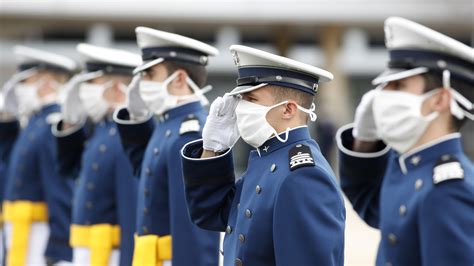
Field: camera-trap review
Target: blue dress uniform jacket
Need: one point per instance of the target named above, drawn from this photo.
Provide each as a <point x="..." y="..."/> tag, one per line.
<point x="285" y="210"/>
<point x="32" y="176"/>
<point x="105" y="190"/>
<point x="422" y="201"/>
<point x="154" y="150"/>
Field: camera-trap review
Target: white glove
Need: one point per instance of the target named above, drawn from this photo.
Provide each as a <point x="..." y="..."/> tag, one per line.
<point x="220" y="131"/>
<point x="135" y="104"/>
<point x="72" y="110"/>
<point x="10" y="103"/>
<point x="364" y="123"/>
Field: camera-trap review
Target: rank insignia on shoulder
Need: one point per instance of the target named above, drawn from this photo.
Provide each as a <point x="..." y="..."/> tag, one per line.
<point x="447" y="168"/>
<point x="190" y="124"/>
<point x="300" y="156"/>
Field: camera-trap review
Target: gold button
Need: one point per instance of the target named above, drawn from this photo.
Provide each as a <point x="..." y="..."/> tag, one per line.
<point x="148" y="171"/>
<point x="418" y="184"/>
<point x="403" y="210"/>
<point x="392" y="239"/>
<point x="273" y="168"/>
<point x="415" y="160"/>
<point x="102" y="148"/>
<point x="248" y="213"/>
<point x="258" y="189"/>
<point x="145" y="229"/>
<point x="241" y="238"/>
<point x="238" y="262"/>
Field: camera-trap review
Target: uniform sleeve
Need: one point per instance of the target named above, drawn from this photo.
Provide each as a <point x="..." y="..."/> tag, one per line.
<point x="126" y="199"/>
<point x="209" y="186"/>
<point x="134" y="136"/>
<point x="8" y="133"/>
<point x="308" y="220"/>
<point x="70" y="145"/>
<point x="361" y="175"/>
<point x="447" y="224"/>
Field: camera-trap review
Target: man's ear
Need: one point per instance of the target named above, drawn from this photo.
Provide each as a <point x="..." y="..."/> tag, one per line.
<point x="180" y="80"/>
<point x="442" y="101"/>
<point x="290" y="110"/>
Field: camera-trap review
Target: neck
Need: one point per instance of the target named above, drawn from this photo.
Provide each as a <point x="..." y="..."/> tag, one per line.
<point x="434" y="131"/>
<point x="282" y="127"/>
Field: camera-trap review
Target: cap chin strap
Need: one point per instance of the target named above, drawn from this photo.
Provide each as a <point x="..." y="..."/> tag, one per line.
<point x="457" y="99"/>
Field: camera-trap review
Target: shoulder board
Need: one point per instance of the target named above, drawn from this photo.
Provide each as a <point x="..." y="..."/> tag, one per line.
<point x="300" y="156"/>
<point x="190" y="124"/>
<point x="53" y="118"/>
<point x="448" y="167"/>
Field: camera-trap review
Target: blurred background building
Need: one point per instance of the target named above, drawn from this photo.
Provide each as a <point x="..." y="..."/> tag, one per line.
<point x="343" y="36"/>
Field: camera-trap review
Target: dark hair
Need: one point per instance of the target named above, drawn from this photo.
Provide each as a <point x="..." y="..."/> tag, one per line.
<point x="303" y="99"/>
<point x="196" y="73"/>
<point x="434" y="81"/>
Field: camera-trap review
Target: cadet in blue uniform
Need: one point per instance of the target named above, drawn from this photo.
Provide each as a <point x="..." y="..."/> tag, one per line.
<point x="287" y="208"/>
<point x="105" y="195"/>
<point x="401" y="163"/>
<point x="167" y="85"/>
<point x="37" y="199"/>
<point x="9" y="131"/>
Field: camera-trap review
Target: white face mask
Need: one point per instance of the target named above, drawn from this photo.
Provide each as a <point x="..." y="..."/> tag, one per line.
<point x="28" y="99"/>
<point x="398" y="118"/>
<point x="158" y="100"/>
<point x="92" y="98"/>
<point x="253" y="125"/>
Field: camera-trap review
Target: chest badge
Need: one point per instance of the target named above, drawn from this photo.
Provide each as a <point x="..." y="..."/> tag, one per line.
<point x="300" y="156"/>
<point x="447" y="168"/>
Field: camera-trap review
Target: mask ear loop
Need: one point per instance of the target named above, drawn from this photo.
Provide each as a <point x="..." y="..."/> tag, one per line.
<point x="310" y="112"/>
<point x="287" y="133"/>
<point x="455" y="109"/>
<point x="199" y="91"/>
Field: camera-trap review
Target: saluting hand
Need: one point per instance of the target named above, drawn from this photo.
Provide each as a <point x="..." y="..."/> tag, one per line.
<point x="364" y="123"/>
<point x="220" y="131"/>
<point x="135" y="104"/>
<point x="72" y="110"/>
<point x="10" y="103"/>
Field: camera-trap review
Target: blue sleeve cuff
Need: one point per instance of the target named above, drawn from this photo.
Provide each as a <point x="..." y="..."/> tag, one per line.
<point x="198" y="171"/>
<point x="133" y="131"/>
<point x="358" y="164"/>
<point x="69" y="149"/>
<point x="9" y="129"/>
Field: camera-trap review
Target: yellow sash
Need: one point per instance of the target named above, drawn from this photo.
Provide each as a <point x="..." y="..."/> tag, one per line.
<point x="100" y="239"/>
<point x="151" y="250"/>
<point x="21" y="214"/>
